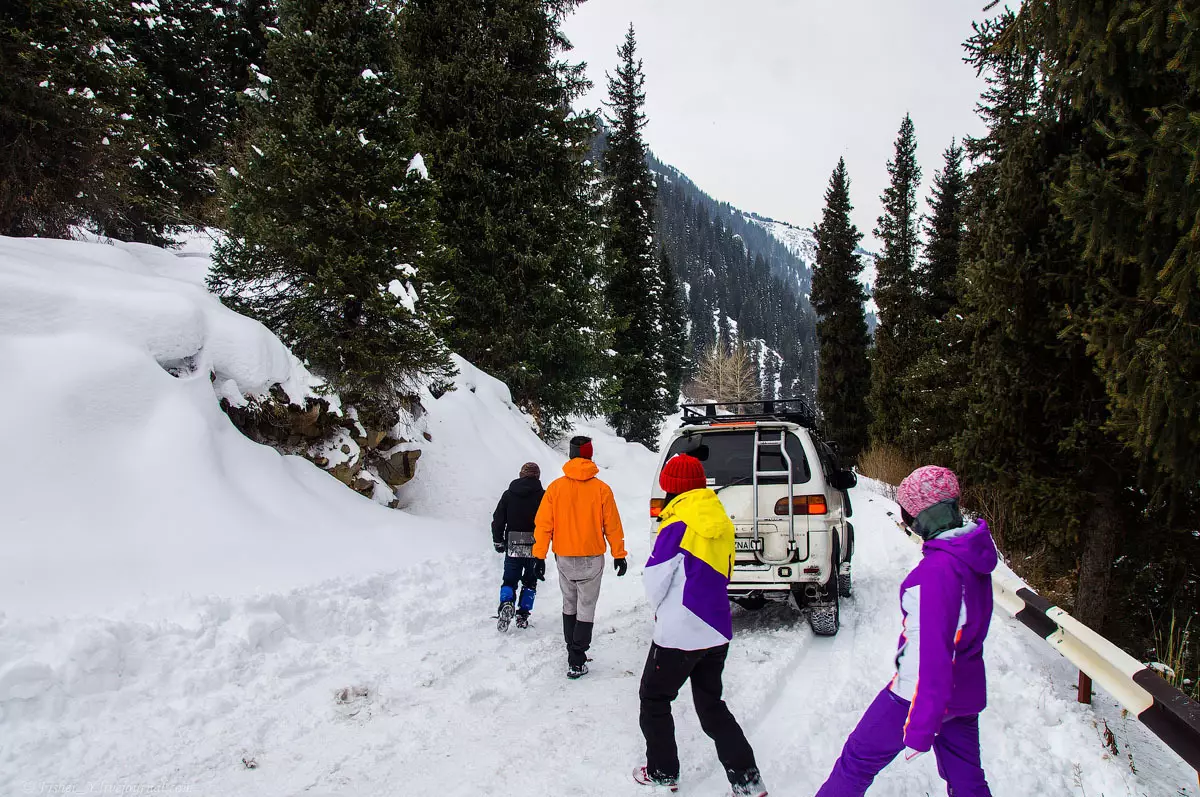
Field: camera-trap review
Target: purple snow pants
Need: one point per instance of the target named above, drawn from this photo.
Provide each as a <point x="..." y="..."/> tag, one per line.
<point x="879" y="738"/>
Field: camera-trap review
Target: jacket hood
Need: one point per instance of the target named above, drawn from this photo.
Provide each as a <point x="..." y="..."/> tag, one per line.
<point x="972" y="545"/>
<point x="580" y="469"/>
<point x="702" y="510"/>
<point x="526" y="486"/>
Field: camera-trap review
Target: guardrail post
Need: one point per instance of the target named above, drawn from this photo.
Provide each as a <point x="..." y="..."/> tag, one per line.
<point x="1085" y="688"/>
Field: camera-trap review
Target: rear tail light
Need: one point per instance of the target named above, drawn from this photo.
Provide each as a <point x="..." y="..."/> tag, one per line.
<point x="656" y="506"/>
<point x="802" y="505"/>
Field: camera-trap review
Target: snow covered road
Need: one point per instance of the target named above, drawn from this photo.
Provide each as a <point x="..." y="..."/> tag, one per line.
<point x="399" y="683"/>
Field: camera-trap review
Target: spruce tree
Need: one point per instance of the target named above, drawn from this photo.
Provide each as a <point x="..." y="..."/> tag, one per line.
<point x="635" y="286"/>
<point x="932" y="388"/>
<point x="330" y="218"/>
<point x="516" y="194"/>
<point x="66" y="130"/>
<point x="1133" y="202"/>
<point x="937" y="274"/>
<point x="843" y="376"/>
<point x="185" y="103"/>
<point x="895" y="291"/>
<point x="675" y="344"/>
<point x="1035" y="426"/>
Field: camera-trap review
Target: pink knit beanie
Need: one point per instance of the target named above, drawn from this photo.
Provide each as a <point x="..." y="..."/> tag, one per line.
<point x="925" y="487"/>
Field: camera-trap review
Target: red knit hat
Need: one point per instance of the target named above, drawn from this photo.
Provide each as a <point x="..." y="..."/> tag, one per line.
<point x="681" y="474"/>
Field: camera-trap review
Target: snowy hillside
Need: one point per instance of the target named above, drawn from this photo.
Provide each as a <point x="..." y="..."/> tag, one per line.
<point x="186" y="611"/>
<point x="802" y="242"/>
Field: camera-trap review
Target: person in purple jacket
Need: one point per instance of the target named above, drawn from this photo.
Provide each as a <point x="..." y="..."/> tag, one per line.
<point x="934" y="700"/>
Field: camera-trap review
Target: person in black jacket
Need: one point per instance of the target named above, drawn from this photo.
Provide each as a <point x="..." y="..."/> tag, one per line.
<point x="512" y="535"/>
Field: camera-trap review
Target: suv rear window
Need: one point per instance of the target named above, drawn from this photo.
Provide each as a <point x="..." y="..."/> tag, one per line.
<point x="727" y="456"/>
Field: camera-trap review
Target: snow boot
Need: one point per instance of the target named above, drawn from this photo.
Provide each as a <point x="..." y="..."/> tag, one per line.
<point x="576" y="671"/>
<point x="748" y="785"/>
<point x="522" y="620"/>
<point x="642" y="775"/>
<point x="507" y="608"/>
<point x="754" y="789"/>
<point x="505" y="616"/>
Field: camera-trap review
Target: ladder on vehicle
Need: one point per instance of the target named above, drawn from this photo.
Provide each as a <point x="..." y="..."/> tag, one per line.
<point x="761" y="445"/>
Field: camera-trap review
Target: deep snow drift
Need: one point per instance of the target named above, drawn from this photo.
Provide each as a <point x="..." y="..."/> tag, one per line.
<point x="369" y="663"/>
<point x="123" y="481"/>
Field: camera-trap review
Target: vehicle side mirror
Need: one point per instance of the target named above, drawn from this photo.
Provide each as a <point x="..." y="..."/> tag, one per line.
<point x="844" y="480"/>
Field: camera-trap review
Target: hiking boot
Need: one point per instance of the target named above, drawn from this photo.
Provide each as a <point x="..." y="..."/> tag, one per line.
<point x="505" y="615"/>
<point x="751" y="786"/>
<point x="642" y="775"/>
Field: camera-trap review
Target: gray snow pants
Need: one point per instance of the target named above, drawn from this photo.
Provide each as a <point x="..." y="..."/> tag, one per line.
<point x="579" y="579"/>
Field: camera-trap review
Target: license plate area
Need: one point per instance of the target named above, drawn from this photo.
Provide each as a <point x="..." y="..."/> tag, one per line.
<point x="751" y="545"/>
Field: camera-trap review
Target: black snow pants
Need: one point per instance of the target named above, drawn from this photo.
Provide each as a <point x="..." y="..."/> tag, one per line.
<point x="665" y="673"/>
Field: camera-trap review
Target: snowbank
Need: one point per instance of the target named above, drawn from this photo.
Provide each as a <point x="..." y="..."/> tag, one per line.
<point x="480" y="439"/>
<point x="122" y="478"/>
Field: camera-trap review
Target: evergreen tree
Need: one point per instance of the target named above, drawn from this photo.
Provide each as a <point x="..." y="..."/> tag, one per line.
<point x="66" y="130"/>
<point x="1133" y="202"/>
<point x="246" y="47"/>
<point x="1035" y="426"/>
<point x="895" y="291"/>
<point x="185" y="103"/>
<point x="937" y="275"/>
<point x="932" y="388"/>
<point x="844" y="376"/>
<point x="770" y="375"/>
<point x="675" y="344"/>
<point x="635" y="285"/>
<point x="330" y="213"/>
<point x="516" y="192"/>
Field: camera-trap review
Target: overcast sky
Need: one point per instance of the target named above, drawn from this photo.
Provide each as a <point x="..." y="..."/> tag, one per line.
<point x="755" y="100"/>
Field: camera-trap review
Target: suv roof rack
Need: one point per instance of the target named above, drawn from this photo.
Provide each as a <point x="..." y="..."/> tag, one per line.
<point x="791" y="410"/>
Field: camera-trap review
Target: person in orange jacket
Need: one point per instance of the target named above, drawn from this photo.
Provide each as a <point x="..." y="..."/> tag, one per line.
<point x="578" y="516"/>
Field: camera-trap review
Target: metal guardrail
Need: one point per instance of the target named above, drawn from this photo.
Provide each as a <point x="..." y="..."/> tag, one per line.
<point x="1167" y="712"/>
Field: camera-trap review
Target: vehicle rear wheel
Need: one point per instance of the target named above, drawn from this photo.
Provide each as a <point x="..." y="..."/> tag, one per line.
<point x="825" y="614"/>
<point x="825" y="617"/>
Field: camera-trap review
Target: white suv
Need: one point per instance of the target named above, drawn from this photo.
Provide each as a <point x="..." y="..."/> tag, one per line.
<point x="787" y="497"/>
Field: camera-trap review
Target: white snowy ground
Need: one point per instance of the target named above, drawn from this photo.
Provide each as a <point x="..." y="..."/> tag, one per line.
<point x="136" y="662"/>
<point x="451" y="707"/>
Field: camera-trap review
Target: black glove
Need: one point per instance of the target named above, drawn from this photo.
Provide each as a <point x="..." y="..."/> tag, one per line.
<point x="620" y="565"/>
<point x="539" y="569"/>
<point x="499" y="547"/>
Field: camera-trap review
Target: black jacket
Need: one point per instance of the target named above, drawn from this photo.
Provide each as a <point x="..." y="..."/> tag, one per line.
<point x="512" y="523"/>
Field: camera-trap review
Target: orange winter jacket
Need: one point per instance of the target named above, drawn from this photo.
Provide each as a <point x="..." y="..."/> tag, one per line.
<point x="578" y="513"/>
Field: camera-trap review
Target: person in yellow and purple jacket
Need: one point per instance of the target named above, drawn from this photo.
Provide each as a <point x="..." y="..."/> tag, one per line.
<point x="686" y="581"/>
